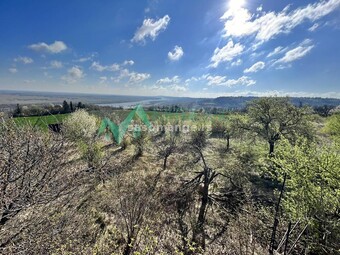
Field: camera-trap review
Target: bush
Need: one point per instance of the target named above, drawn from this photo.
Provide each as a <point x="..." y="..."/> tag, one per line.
<point x="80" y="126"/>
<point x="218" y="128"/>
<point x="333" y="126"/>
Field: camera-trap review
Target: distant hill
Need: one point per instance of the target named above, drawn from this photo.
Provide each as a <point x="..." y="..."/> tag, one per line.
<point x="9" y="99"/>
<point x="241" y="102"/>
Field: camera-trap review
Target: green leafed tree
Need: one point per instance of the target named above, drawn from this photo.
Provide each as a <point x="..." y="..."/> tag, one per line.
<point x="273" y="118"/>
<point x="312" y="190"/>
<point x="227" y="127"/>
<point x="333" y="126"/>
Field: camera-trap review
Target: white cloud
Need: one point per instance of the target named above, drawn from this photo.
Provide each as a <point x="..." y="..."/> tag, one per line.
<point x="56" y="47"/>
<point x="176" y="54"/>
<point x="239" y="22"/>
<point x="111" y="68"/>
<point x="223" y="81"/>
<point x="244" y="80"/>
<point x="133" y="77"/>
<point x="81" y="60"/>
<point x="56" y="64"/>
<point x="281" y="67"/>
<point x="227" y="53"/>
<point x="294" y="54"/>
<point x="170" y="88"/>
<point x="76" y="72"/>
<point x="100" y="68"/>
<point x="255" y="68"/>
<point x="24" y="60"/>
<point x="84" y="59"/>
<point x="151" y="28"/>
<point x="165" y="80"/>
<point x="216" y="80"/>
<point x="29" y="81"/>
<point x="73" y="75"/>
<point x="237" y="62"/>
<point x="128" y="63"/>
<point x="313" y="28"/>
<point x="13" y="70"/>
<point x="196" y="79"/>
<point x="178" y="88"/>
<point x="170" y="84"/>
<point x="47" y="75"/>
<point x="102" y="79"/>
<point x="138" y="77"/>
<point x="276" y="51"/>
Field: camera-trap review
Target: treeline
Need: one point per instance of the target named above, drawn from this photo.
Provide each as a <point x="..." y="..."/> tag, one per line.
<point x="43" y="110"/>
<point x="322" y="110"/>
<point x="175" y="108"/>
<point x="241" y="102"/>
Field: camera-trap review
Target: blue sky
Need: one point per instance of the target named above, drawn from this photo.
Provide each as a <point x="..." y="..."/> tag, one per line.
<point x="194" y="48"/>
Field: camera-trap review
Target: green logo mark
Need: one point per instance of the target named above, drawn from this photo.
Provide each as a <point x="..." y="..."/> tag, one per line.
<point x="118" y="132"/>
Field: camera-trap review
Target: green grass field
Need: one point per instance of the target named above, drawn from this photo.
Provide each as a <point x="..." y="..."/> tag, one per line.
<point x="41" y="121"/>
<point x="153" y="115"/>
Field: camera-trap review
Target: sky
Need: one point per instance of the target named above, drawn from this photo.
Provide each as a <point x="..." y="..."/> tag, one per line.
<point x="194" y="48"/>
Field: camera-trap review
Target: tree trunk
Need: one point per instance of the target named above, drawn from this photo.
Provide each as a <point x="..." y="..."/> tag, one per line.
<point x="271" y="147"/>
<point x="164" y="163"/>
<point x="128" y="246"/>
<point x="287" y="239"/>
<point x="198" y="233"/>
<point x="272" y="245"/>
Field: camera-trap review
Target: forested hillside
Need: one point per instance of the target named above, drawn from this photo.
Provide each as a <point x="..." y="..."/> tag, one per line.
<point x="262" y="181"/>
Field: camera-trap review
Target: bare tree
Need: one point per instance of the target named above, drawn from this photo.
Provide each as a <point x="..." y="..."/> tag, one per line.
<point x="166" y="147"/>
<point x="32" y="171"/>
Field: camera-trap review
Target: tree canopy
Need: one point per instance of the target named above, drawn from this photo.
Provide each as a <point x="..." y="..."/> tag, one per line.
<point x="271" y="118"/>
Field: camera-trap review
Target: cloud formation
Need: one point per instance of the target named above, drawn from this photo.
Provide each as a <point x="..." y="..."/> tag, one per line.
<point x="255" y="68"/>
<point x="110" y="68"/>
<point x="239" y="22"/>
<point x="56" y="47"/>
<point x="56" y="64"/>
<point x="13" y="70"/>
<point x="276" y="51"/>
<point x="24" y="60"/>
<point x="100" y="68"/>
<point x="128" y="63"/>
<point x="169" y="85"/>
<point x="176" y="54"/>
<point x="294" y="54"/>
<point x="165" y="80"/>
<point x="73" y="75"/>
<point x="223" y="81"/>
<point x="226" y="54"/>
<point x="102" y="79"/>
<point x="132" y="77"/>
<point x="151" y="28"/>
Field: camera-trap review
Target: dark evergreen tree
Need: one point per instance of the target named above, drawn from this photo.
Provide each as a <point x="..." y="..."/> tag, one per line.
<point x="66" y="107"/>
<point x="71" y="107"/>
<point x="80" y="105"/>
<point x="18" y="111"/>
